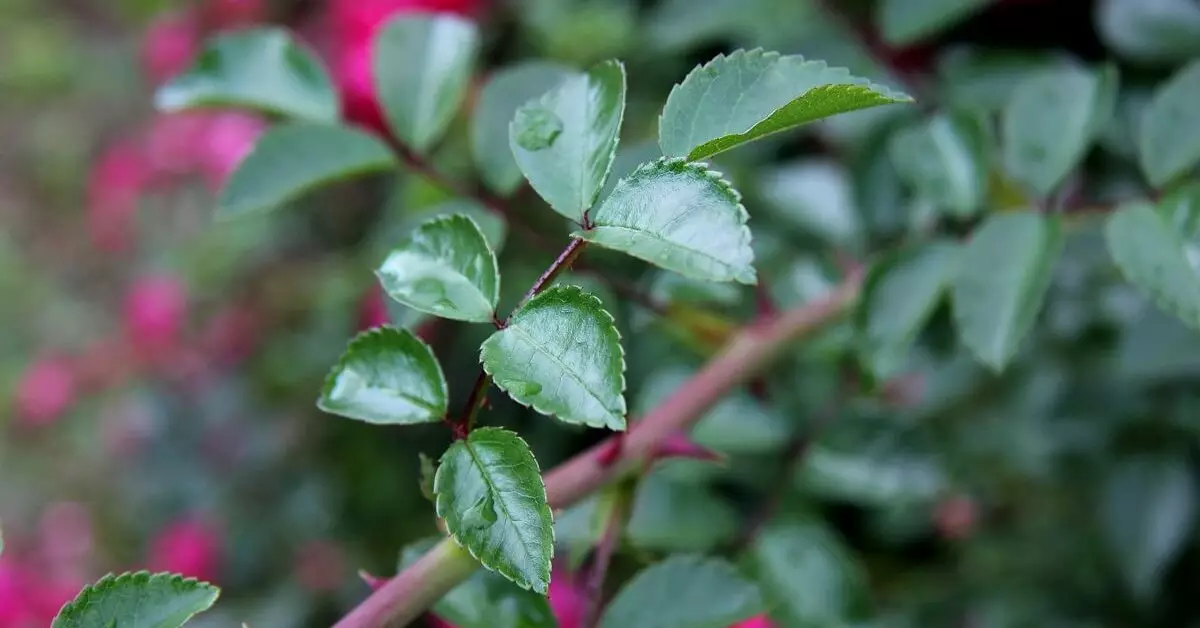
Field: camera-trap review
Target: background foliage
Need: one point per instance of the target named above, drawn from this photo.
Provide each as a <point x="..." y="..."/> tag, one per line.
<point x="160" y="369"/>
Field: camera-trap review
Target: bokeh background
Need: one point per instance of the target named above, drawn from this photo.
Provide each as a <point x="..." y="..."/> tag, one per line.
<point x="158" y="370"/>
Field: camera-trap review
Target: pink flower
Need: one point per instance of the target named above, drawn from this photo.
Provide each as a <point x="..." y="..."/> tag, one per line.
<point x="46" y="391"/>
<point x="170" y="44"/>
<point x="227" y="14"/>
<point x="758" y="621"/>
<point x="28" y="600"/>
<point x="189" y="547"/>
<point x="115" y="187"/>
<point x="230" y="136"/>
<point x="173" y="141"/>
<point x="155" y="311"/>
<point x="372" y="309"/>
<point x="568" y="600"/>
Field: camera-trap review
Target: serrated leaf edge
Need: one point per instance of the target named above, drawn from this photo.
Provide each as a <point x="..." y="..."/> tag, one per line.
<point x="437" y="503"/>
<point x="448" y="218"/>
<point x="836" y="73"/>
<point x="620" y="349"/>
<point x="371" y="335"/>
<point x="80" y="601"/>
<point x="1158" y="297"/>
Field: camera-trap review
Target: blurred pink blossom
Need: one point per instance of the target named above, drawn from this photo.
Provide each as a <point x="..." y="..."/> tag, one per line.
<point x="229" y="137"/>
<point x="170" y="44"/>
<point x="155" y="311"/>
<point x="46" y="391"/>
<point x="115" y="187"/>
<point x="228" y="14"/>
<point x="372" y="309"/>
<point x="189" y="547"/>
<point x="758" y="621"/>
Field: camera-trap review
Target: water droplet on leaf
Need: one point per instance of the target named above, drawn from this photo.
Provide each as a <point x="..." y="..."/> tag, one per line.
<point x="536" y="127"/>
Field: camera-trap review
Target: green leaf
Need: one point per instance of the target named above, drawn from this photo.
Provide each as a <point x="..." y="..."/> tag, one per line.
<point x="902" y="22"/>
<point x="815" y="196"/>
<point x="873" y="466"/>
<point x="485" y="600"/>
<point x="445" y="268"/>
<point x="808" y="575"/>
<point x="490" y="492"/>
<point x="565" y="141"/>
<point x="504" y="91"/>
<point x="292" y="159"/>
<point x="1148" y="511"/>
<point x="747" y="95"/>
<point x="261" y="68"/>
<point x="945" y="160"/>
<point x="1169" y="139"/>
<point x="1161" y="32"/>
<point x="137" y="600"/>
<point x="422" y="65"/>
<point x="561" y="354"/>
<point x="684" y="592"/>
<point x="579" y="528"/>
<point x="679" y="216"/>
<point x="1156" y="250"/>
<point x="1003" y="274"/>
<point x="670" y="515"/>
<point x="900" y="294"/>
<point x="1052" y="119"/>
<point x="386" y="376"/>
<point x="425" y="477"/>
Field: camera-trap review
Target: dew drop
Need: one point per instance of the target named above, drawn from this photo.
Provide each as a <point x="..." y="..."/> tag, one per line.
<point x="537" y="127"/>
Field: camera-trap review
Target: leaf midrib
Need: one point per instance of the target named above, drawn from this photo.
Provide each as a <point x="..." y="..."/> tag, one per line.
<point x="565" y="367"/>
<point x="726" y="265"/>
<point x="483" y="473"/>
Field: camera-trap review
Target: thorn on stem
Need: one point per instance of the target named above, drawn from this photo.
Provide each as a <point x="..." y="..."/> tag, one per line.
<point x="372" y="581"/>
<point x="681" y="445"/>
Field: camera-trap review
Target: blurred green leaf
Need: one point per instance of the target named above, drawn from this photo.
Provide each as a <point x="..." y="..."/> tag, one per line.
<point x="1155" y="249"/>
<point x="1159" y="32"/>
<point x="446" y="268"/>
<point x="814" y="196"/>
<point x="422" y="67"/>
<point x="137" y="600"/>
<point x="261" y="68"/>
<point x="490" y="492"/>
<point x="565" y="141"/>
<point x="292" y="159"/>
<point x="976" y="78"/>
<point x="386" y="376"/>
<point x="737" y="424"/>
<point x="870" y="465"/>
<point x="946" y="160"/>
<point x="1169" y="138"/>
<point x="1003" y="274"/>
<point x="1051" y="120"/>
<point x="684" y="591"/>
<point x="579" y="528"/>
<point x="506" y="90"/>
<point x="679" y="216"/>
<point x="747" y="95"/>
<point x="903" y="22"/>
<point x="674" y="516"/>
<point x="561" y="354"/>
<point x="808" y="575"/>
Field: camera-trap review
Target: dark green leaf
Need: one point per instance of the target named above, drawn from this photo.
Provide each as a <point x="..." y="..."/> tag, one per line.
<point x="422" y="65"/>
<point x="490" y="492"/>
<point x="1155" y="249"/>
<point x="260" y="68"/>
<point x="137" y="600"/>
<point x="561" y="354"/>
<point x="870" y="467"/>
<point x="900" y="294"/>
<point x="902" y="22"/>
<point x="684" y="592"/>
<point x="673" y="516"/>
<point x="747" y="95"/>
<point x="579" y="528"/>
<point x="1149" y="509"/>
<point x="565" y="141"/>
<point x="1003" y="274"/>
<point x="1169" y="139"/>
<point x="386" y="376"/>
<point x="945" y="160"/>
<point x="1052" y="119"/>
<point x="808" y="575"/>
<point x="485" y="600"/>
<point x="445" y="268"/>
<point x="504" y="91"/>
<point x="679" y="216"/>
<point x="1158" y="32"/>
<point x="292" y="159"/>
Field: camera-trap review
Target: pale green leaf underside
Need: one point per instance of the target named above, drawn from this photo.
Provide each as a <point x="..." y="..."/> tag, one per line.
<point x="490" y="492"/>
<point x="679" y="216"/>
<point x="903" y="22"/>
<point x="262" y="68"/>
<point x="807" y="574"/>
<point x="485" y="600"/>
<point x="670" y="515"/>
<point x="386" y="376"/>
<point x="561" y="354"/>
<point x="1051" y="120"/>
<point x="445" y="268"/>
<point x="900" y="295"/>
<point x="137" y="600"/>
<point x="1156" y="259"/>
<point x="1003" y="274"/>
<point x="422" y="65"/>
<point x="569" y="169"/>
<point x="684" y="592"/>
<point x="945" y="161"/>
<point x="1169" y="141"/>
<point x="504" y="91"/>
<point x="292" y="159"/>
<point x="746" y="95"/>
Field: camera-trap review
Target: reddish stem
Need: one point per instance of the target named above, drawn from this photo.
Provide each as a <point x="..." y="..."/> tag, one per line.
<point x="605" y="550"/>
